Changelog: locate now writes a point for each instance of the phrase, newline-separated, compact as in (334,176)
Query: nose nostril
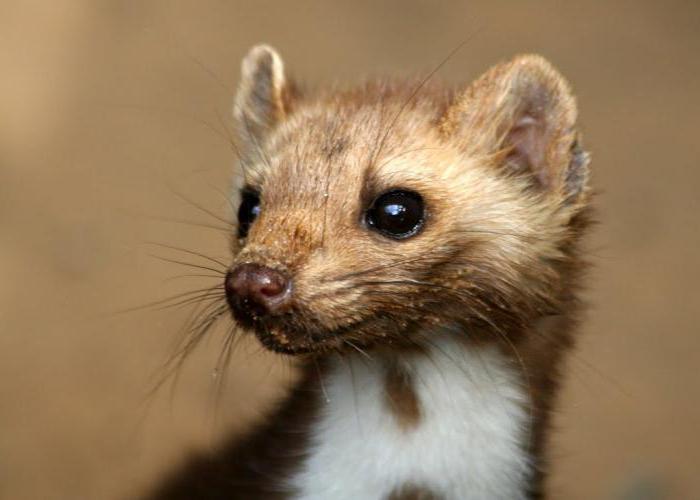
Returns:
(271,284)
(271,290)
(252,287)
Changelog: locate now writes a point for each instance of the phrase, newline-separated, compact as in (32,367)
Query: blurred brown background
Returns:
(108,109)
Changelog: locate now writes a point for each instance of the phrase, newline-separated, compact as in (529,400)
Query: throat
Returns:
(400,394)
(452,421)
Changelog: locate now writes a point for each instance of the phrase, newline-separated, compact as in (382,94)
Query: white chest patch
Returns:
(469,443)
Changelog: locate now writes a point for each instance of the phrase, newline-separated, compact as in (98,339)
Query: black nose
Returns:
(254,290)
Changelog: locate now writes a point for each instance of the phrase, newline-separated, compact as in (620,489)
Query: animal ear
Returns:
(522,115)
(263,97)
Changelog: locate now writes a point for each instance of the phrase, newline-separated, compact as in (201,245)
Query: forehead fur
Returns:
(324,165)
(376,118)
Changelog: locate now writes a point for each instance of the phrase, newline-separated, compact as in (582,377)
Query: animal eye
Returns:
(248,211)
(397,214)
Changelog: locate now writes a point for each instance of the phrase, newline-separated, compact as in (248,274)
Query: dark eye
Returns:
(248,211)
(396,214)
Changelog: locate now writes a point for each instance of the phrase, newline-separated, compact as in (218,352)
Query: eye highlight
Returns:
(248,211)
(396,214)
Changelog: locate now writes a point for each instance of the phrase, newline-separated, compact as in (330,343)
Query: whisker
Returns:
(194,300)
(399,262)
(200,208)
(361,351)
(229,90)
(191,252)
(181,276)
(226,197)
(221,368)
(226,230)
(430,253)
(198,294)
(320,380)
(234,145)
(413,95)
(193,335)
(188,264)
(172,113)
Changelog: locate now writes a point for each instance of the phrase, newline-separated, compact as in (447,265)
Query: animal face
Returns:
(371,216)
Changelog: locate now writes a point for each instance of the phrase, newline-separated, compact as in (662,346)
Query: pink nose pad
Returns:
(256,290)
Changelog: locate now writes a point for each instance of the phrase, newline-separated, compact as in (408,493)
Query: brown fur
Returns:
(251,468)
(411,492)
(505,184)
(401,398)
(499,246)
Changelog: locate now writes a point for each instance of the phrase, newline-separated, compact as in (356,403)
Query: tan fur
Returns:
(506,188)
(505,184)
(525,91)
(263,99)
(489,233)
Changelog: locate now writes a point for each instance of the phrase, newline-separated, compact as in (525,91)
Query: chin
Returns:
(294,340)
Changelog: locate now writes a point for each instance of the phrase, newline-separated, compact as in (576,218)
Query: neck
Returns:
(455,420)
(458,419)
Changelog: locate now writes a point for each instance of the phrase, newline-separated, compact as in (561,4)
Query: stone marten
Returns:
(416,246)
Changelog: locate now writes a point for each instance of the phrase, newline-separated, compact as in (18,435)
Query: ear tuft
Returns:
(523,114)
(262,99)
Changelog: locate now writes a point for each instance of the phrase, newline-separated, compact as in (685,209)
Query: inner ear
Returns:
(522,115)
(538,120)
(526,142)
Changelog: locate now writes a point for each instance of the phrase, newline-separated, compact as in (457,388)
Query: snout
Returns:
(255,291)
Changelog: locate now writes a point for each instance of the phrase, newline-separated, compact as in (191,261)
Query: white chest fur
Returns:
(469,443)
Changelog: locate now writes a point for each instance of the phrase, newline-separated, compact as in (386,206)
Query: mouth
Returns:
(280,336)
(284,342)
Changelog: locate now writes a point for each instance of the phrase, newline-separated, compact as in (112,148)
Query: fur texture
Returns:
(475,310)
(470,443)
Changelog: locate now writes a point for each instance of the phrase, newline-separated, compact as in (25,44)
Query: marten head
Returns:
(375,215)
